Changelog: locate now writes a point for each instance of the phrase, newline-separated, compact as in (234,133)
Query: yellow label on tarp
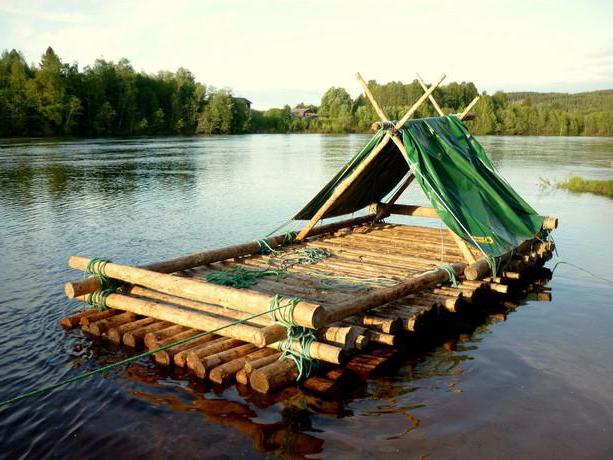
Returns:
(484,239)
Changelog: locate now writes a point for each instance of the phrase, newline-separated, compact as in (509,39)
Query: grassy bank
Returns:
(581,185)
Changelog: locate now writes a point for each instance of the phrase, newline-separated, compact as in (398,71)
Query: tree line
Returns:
(53,98)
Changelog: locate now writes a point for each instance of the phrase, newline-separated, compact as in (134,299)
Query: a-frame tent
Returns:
(478,206)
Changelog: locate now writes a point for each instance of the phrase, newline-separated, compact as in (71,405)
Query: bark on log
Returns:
(116,333)
(384,295)
(202,366)
(85,286)
(192,318)
(72,321)
(273,376)
(304,314)
(225,372)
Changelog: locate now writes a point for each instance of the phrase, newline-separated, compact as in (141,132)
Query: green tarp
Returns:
(456,175)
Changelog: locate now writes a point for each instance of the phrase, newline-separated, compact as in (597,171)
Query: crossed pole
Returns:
(393,136)
(390,135)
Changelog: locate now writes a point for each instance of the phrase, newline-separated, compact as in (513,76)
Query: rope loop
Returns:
(97,299)
(451,272)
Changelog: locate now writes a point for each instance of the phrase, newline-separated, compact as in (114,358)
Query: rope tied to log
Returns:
(96,267)
(241,278)
(283,314)
(451,272)
(97,299)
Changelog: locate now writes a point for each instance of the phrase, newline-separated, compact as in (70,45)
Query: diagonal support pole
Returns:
(366,162)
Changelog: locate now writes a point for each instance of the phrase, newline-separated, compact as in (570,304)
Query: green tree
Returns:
(216,118)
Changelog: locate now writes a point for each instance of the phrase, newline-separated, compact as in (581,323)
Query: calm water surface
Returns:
(539,384)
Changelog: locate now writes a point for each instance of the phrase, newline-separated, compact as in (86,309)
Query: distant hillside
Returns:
(591,101)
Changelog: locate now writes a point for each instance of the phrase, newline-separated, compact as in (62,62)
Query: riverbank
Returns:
(580,185)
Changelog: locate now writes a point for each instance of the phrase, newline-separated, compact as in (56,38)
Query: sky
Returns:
(287,51)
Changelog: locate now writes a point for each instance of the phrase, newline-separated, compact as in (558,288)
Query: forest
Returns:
(53,98)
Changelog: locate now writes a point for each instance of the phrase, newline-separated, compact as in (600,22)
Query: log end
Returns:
(162,358)
(550,223)
(130,340)
(195,365)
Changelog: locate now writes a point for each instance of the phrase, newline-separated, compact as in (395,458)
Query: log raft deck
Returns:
(376,283)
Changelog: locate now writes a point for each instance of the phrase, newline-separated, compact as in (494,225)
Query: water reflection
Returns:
(141,200)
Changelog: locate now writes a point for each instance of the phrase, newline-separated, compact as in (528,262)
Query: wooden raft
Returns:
(378,285)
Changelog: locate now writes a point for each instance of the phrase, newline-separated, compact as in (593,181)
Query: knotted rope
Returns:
(283,313)
(97,299)
(451,272)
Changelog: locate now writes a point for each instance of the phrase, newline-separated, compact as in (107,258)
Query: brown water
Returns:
(539,384)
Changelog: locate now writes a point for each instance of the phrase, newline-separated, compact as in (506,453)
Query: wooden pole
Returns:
(469,107)
(225,372)
(190,318)
(412,210)
(364,164)
(304,314)
(384,295)
(85,286)
(434,103)
(371,98)
(386,208)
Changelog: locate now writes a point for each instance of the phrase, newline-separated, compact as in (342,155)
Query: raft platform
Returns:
(362,261)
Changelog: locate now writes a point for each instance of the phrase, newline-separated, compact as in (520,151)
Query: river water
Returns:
(538,384)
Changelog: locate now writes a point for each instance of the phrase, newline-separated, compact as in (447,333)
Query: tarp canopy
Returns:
(457,176)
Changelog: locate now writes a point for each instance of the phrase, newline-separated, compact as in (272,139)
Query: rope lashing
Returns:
(265,247)
(96,267)
(282,311)
(241,278)
(97,299)
(451,272)
(108,367)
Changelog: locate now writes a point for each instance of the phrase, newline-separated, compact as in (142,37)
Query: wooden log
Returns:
(274,376)
(384,295)
(85,286)
(550,223)
(195,356)
(362,342)
(242,377)
(385,209)
(250,366)
(116,333)
(180,357)
(342,336)
(86,320)
(72,321)
(468,108)
(304,313)
(134,338)
(481,267)
(168,356)
(226,372)
(161,341)
(192,318)
(413,210)
(102,326)
(152,338)
(199,368)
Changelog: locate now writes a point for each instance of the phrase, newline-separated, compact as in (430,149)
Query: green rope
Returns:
(241,278)
(283,313)
(300,257)
(96,267)
(451,272)
(265,247)
(275,306)
(98,298)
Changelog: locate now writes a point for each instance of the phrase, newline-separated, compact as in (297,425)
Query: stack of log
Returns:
(155,308)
